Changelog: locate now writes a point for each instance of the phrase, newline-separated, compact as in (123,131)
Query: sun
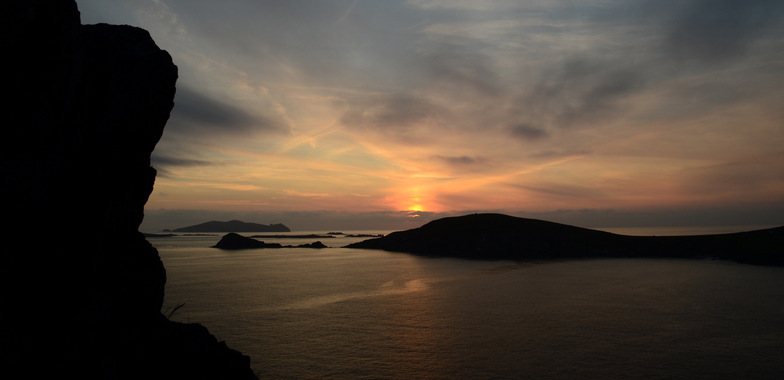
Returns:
(416,207)
(413,200)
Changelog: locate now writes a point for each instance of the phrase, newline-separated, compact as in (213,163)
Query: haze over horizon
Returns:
(388,114)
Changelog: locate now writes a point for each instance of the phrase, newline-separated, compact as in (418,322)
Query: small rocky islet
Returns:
(235,241)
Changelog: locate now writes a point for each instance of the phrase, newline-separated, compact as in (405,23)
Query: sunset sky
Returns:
(382,114)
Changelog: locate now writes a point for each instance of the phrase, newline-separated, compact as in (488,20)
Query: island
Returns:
(363,235)
(504,237)
(152,235)
(234,241)
(234,226)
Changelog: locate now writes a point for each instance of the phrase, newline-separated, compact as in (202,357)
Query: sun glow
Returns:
(413,201)
(416,207)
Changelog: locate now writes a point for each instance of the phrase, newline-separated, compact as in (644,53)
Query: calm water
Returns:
(341,313)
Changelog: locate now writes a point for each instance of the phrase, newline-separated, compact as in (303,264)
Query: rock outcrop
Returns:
(85,106)
(234,241)
(315,244)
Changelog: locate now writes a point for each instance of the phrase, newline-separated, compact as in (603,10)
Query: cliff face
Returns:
(83,295)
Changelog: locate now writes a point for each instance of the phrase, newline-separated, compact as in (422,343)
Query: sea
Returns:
(339,313)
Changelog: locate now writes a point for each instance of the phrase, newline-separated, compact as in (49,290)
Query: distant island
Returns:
(234,226)
(503,237)
(363,235)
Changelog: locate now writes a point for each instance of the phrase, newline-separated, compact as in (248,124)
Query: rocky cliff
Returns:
(85,106)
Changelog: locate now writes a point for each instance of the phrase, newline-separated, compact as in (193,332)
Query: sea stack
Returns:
(82,289)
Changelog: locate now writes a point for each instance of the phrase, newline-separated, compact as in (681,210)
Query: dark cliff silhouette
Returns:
(503,237)
(85,106)
(234,226)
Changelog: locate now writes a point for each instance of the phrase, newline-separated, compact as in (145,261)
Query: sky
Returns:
(385,114)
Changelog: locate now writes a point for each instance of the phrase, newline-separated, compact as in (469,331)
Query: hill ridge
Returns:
(505,237)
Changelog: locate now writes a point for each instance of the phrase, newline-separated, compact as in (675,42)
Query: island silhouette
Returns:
(233,241)
(234,226)
(503,237)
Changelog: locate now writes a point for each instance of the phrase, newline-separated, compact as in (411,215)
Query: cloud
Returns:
(562,190)
(527,132)
(164,163)
(458,63)
(175,161)
(636,51)
(194,110)
(401,115)
(317,43)
(296,193)
(580,91)
(462,165)
(757,177)
(558,154)
(459,160)
(717,31)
